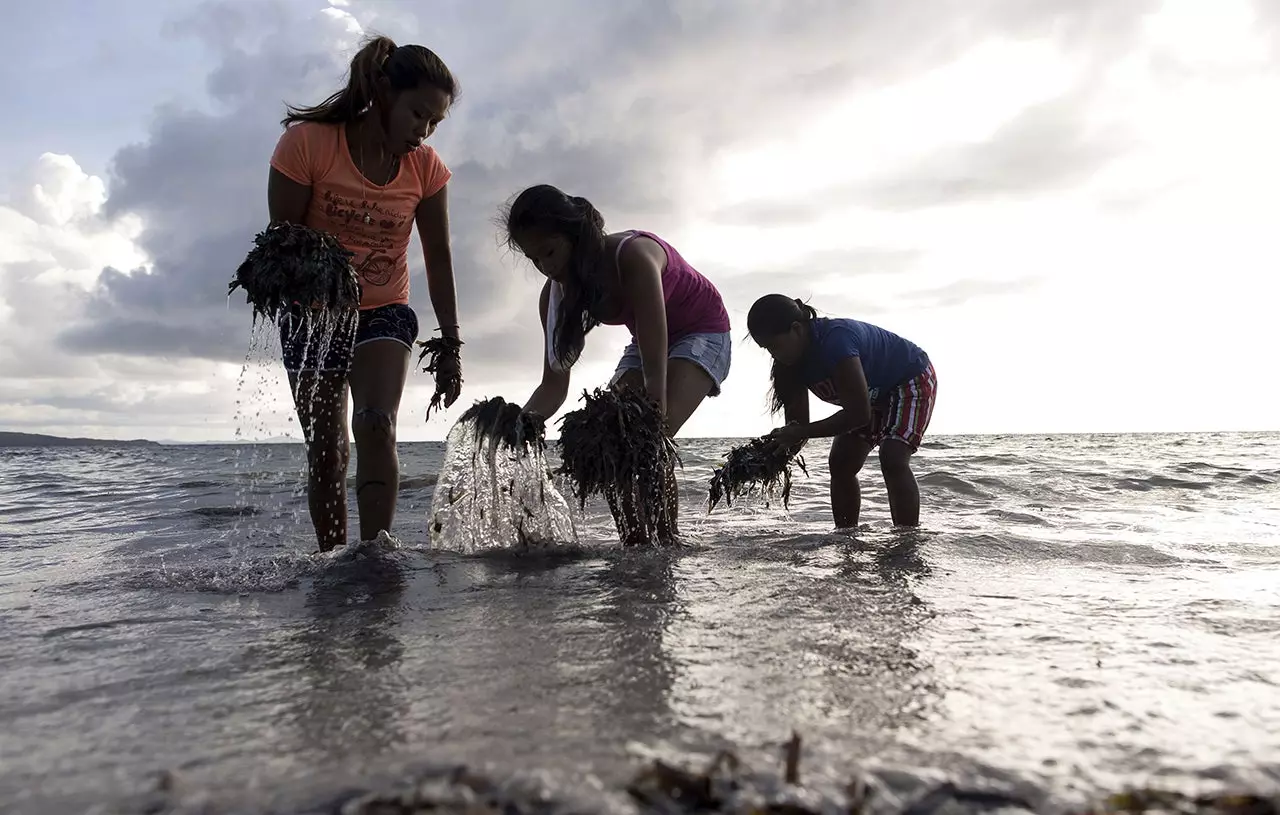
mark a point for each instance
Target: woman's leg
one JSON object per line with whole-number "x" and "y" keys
{"x": 378, "y": 373}
{"x": 900, "y": 482}
{"x": 319, "y": 387}
{"x": 379, "y": 369}
{"x": 848, "y": 453}
{"x": 689, "y": 383}
{"x": 910, "y": 409}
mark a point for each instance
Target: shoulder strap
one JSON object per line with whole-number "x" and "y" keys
{"x": 553, "y": 304}
{"x": 617, "y": 255}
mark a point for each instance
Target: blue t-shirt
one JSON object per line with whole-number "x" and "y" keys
{"x": 887, "y": 359}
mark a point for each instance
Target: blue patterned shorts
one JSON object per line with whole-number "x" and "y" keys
{"x": 710, "y": 352}
{"x": 396, "y": 322}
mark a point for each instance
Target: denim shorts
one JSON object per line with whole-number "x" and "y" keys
{"x": 710, "y": 352}
{"x": 395, "y": 321}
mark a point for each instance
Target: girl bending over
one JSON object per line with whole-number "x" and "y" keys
{"x": 680, "y": 348}
{"x": 883, "y": 384}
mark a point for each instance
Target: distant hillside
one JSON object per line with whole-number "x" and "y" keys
{"x": 10, "y": 439}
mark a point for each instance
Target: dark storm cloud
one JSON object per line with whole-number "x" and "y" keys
{"x": 619, "y": 102}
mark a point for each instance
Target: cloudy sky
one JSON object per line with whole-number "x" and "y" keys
{"x": 1070, "y": 205}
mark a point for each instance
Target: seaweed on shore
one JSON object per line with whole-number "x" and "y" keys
{"x": 616, "y": 445}
{"x": 445, "y": 364}
{"x": 758, "y": 464}
{"x": 726, "y": 784}
{"x": 291, "y": 263}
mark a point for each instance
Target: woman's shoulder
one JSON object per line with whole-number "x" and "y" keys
{"x": 305, "y": 150}
{"x": 430, "y": 168}
{"x": 310, "y": 131}
{"x": 309, "y": 139}
{"x": 636, "y": 243}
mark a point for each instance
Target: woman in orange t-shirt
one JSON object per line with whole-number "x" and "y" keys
{"x": 355, "y": 166}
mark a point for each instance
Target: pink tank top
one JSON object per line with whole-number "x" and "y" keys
{"x": 694, "y": 304}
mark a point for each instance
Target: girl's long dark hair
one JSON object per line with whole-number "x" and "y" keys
{"x": 770, "y": 316}
{"x": 406, "y": 67}
{"x": 548, "y": 209}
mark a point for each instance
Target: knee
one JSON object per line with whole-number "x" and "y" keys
{"x": 374, "y": 427}
{"x": 328, "y": 457}
{"x": 844, "y": 464}
{"x": 895, "y": 460}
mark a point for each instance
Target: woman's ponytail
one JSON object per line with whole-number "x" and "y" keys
{"x": 367, "y": 66}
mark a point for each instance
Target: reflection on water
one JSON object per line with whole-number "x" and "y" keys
{"x": 1059, "y": 617}
{"x": 351, "y": 702}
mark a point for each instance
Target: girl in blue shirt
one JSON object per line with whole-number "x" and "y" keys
{"x": 883, "y": 384}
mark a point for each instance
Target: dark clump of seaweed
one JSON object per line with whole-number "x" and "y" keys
{"x": 616, "y": 445}
{"x": 759, "y": 464}
{"x": 291, "y": 263}
{"x": 445, "y": 364}
{"x": 506, "y": 424}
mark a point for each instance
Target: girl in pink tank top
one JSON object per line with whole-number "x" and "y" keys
{"x": 680, "y": 348}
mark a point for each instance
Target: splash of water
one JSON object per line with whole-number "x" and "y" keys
{"x": 491, "y": 497}
{"x": 260, "y": 409}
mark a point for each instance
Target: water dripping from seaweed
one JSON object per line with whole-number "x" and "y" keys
{"x": 495, "y": 489}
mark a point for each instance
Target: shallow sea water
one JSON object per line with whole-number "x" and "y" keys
{"x": 1076, "y": 614}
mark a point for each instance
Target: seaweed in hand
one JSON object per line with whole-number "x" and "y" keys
{"x": 616, "y": 445}
{"x": 445, "y": 364}
{"x": 291, "y": 263}
{"x": 507, "y": 424}
{"x": 760, "y": 463}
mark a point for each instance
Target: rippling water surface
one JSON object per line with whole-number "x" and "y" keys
{"x": 1076, "y": 612}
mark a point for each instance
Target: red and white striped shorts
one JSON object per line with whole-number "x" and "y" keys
{"x": 905, "y": 414}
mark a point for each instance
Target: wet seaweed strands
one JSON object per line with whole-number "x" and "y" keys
{"x": 507, "y": 425}
{"x": 443, "y": 357}
{"x": 759, "y": 465}
{"x": 306, "y": 273}
{"x": 616, "y": 445}
{"x": 495, "y": 489}
{"x": 291, "y": 263}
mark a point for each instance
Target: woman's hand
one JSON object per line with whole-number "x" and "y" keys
{"x": 789, "y": 437}
{"x": 449, "y": 374}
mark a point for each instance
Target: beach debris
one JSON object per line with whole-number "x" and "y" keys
{"x": 727, "y": 785}
{"x": 724, "y": 784}
{"x": 445, "y": 363}
{"x": 616, "y": 445}
{"x": 459, "y": 790}
{"x": 1164, "y": 802}
{"x": 759, "y": 464}
{"x": 292, "y": 263}
{"x": 495, "y": 490}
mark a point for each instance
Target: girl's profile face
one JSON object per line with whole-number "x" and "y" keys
{"x": 414, "y": 116}
{"x": 788, "y": 347}
{"x": 548, "y": 252}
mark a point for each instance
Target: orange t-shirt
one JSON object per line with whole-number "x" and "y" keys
{"x": 317, "y": 155}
